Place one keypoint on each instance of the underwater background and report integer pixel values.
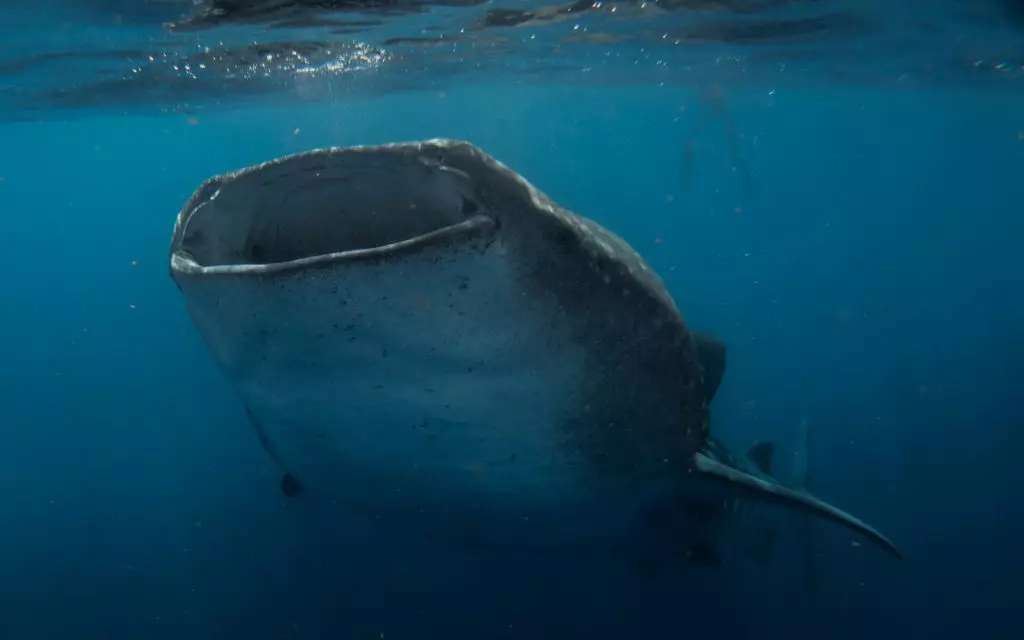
(833, 188)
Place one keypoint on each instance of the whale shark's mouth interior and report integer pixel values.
(324, 204)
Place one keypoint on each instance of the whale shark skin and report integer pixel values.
(418, 333)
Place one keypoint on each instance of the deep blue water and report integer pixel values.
(856, 245)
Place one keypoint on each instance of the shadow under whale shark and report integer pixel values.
(419, 334)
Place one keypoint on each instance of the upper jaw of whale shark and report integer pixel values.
(298, 211)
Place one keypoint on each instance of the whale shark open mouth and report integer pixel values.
(298, 211)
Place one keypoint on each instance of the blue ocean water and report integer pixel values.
(840, 204)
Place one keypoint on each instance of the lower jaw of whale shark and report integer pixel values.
(383, 347)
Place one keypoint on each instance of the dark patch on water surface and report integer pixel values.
(311, 13)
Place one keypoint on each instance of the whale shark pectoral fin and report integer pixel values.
(290, 485)
(785, 496)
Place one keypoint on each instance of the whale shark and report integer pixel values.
(418, 333)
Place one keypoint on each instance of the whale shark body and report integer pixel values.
(418, 333)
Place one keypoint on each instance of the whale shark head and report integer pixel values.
(418, 332)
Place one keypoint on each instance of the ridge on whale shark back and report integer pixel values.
(417, 331)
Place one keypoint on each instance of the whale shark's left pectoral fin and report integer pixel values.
(767, 490)
(290, 485)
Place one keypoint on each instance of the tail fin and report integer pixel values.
(800, 500)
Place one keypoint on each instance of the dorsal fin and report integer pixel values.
(761, 453)
(711, 353)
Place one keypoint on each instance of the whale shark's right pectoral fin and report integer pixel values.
(767, 490)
